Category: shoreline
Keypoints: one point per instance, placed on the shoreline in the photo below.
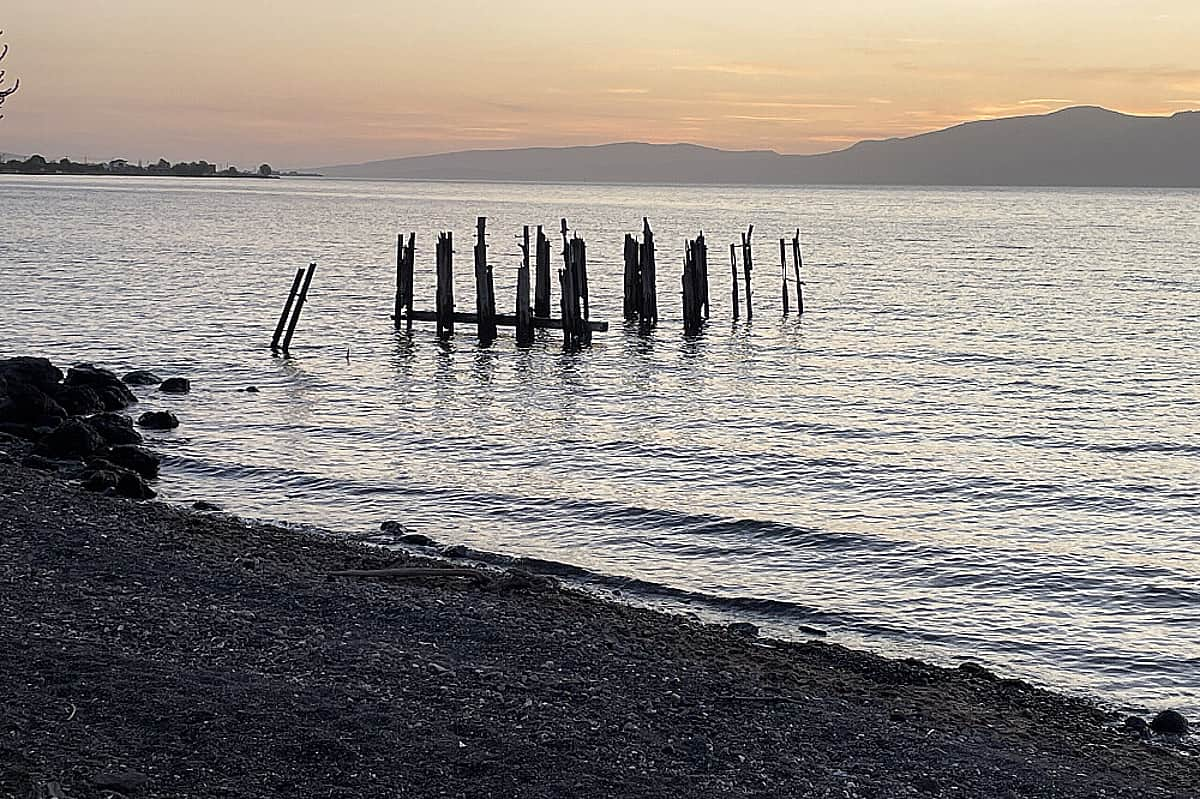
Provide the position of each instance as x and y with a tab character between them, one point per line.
213	656
154	650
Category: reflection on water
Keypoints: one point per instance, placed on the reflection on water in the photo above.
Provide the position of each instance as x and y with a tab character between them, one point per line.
979	441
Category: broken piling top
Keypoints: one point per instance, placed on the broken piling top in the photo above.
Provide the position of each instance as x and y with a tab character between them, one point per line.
485	292
649	310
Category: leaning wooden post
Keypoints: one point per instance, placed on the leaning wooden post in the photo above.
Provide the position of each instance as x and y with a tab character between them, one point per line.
445	286
485	297
524	314
308	276
541	302
649	310
702	272
783	259
287	310
798	261
737	294
748	266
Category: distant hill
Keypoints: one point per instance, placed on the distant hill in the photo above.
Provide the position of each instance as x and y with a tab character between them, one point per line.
1083	146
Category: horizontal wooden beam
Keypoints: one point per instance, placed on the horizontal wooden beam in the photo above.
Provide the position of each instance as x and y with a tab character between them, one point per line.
506	320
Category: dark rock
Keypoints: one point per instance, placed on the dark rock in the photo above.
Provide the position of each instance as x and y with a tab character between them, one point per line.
134	487
37	372
79	400
71	439
206	507
115	399
251	389
22	431
136	459
975	670
125	782
393	528
175	385
141	377
744	629
115	428
1169	722
158	420
112	391
417	540
25	403
1137	725
40	463
102	481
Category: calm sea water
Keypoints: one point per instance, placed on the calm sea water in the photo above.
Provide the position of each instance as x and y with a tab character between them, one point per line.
980	442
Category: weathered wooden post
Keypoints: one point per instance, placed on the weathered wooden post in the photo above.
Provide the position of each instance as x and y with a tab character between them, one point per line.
798	260
737	294
783	259
633	283
485	295
287	310
405	256
445	286
649	308
748	266
308	276
579	264
524	313
692	319
541	305
702	273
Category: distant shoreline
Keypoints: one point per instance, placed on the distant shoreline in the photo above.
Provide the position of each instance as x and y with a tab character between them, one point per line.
119	167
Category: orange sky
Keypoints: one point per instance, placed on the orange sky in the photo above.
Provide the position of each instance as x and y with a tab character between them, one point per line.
304	83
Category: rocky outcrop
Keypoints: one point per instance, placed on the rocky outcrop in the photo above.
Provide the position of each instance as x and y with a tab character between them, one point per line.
115	428
158	420
114	394
135	459
176	385
72	439
141	377
37	372
72	419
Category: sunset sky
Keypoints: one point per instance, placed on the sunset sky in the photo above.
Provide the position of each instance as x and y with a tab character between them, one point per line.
306	83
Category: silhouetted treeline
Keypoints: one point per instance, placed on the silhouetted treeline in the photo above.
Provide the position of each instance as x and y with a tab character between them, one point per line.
37	165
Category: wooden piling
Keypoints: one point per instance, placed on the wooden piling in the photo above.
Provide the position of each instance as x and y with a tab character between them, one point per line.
577	332
798	261
405	256
524	313
445	286
737	294
300	299
649	310
748	266
485	293
783	263
633	279
702	274
541	303
287	310
693	319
